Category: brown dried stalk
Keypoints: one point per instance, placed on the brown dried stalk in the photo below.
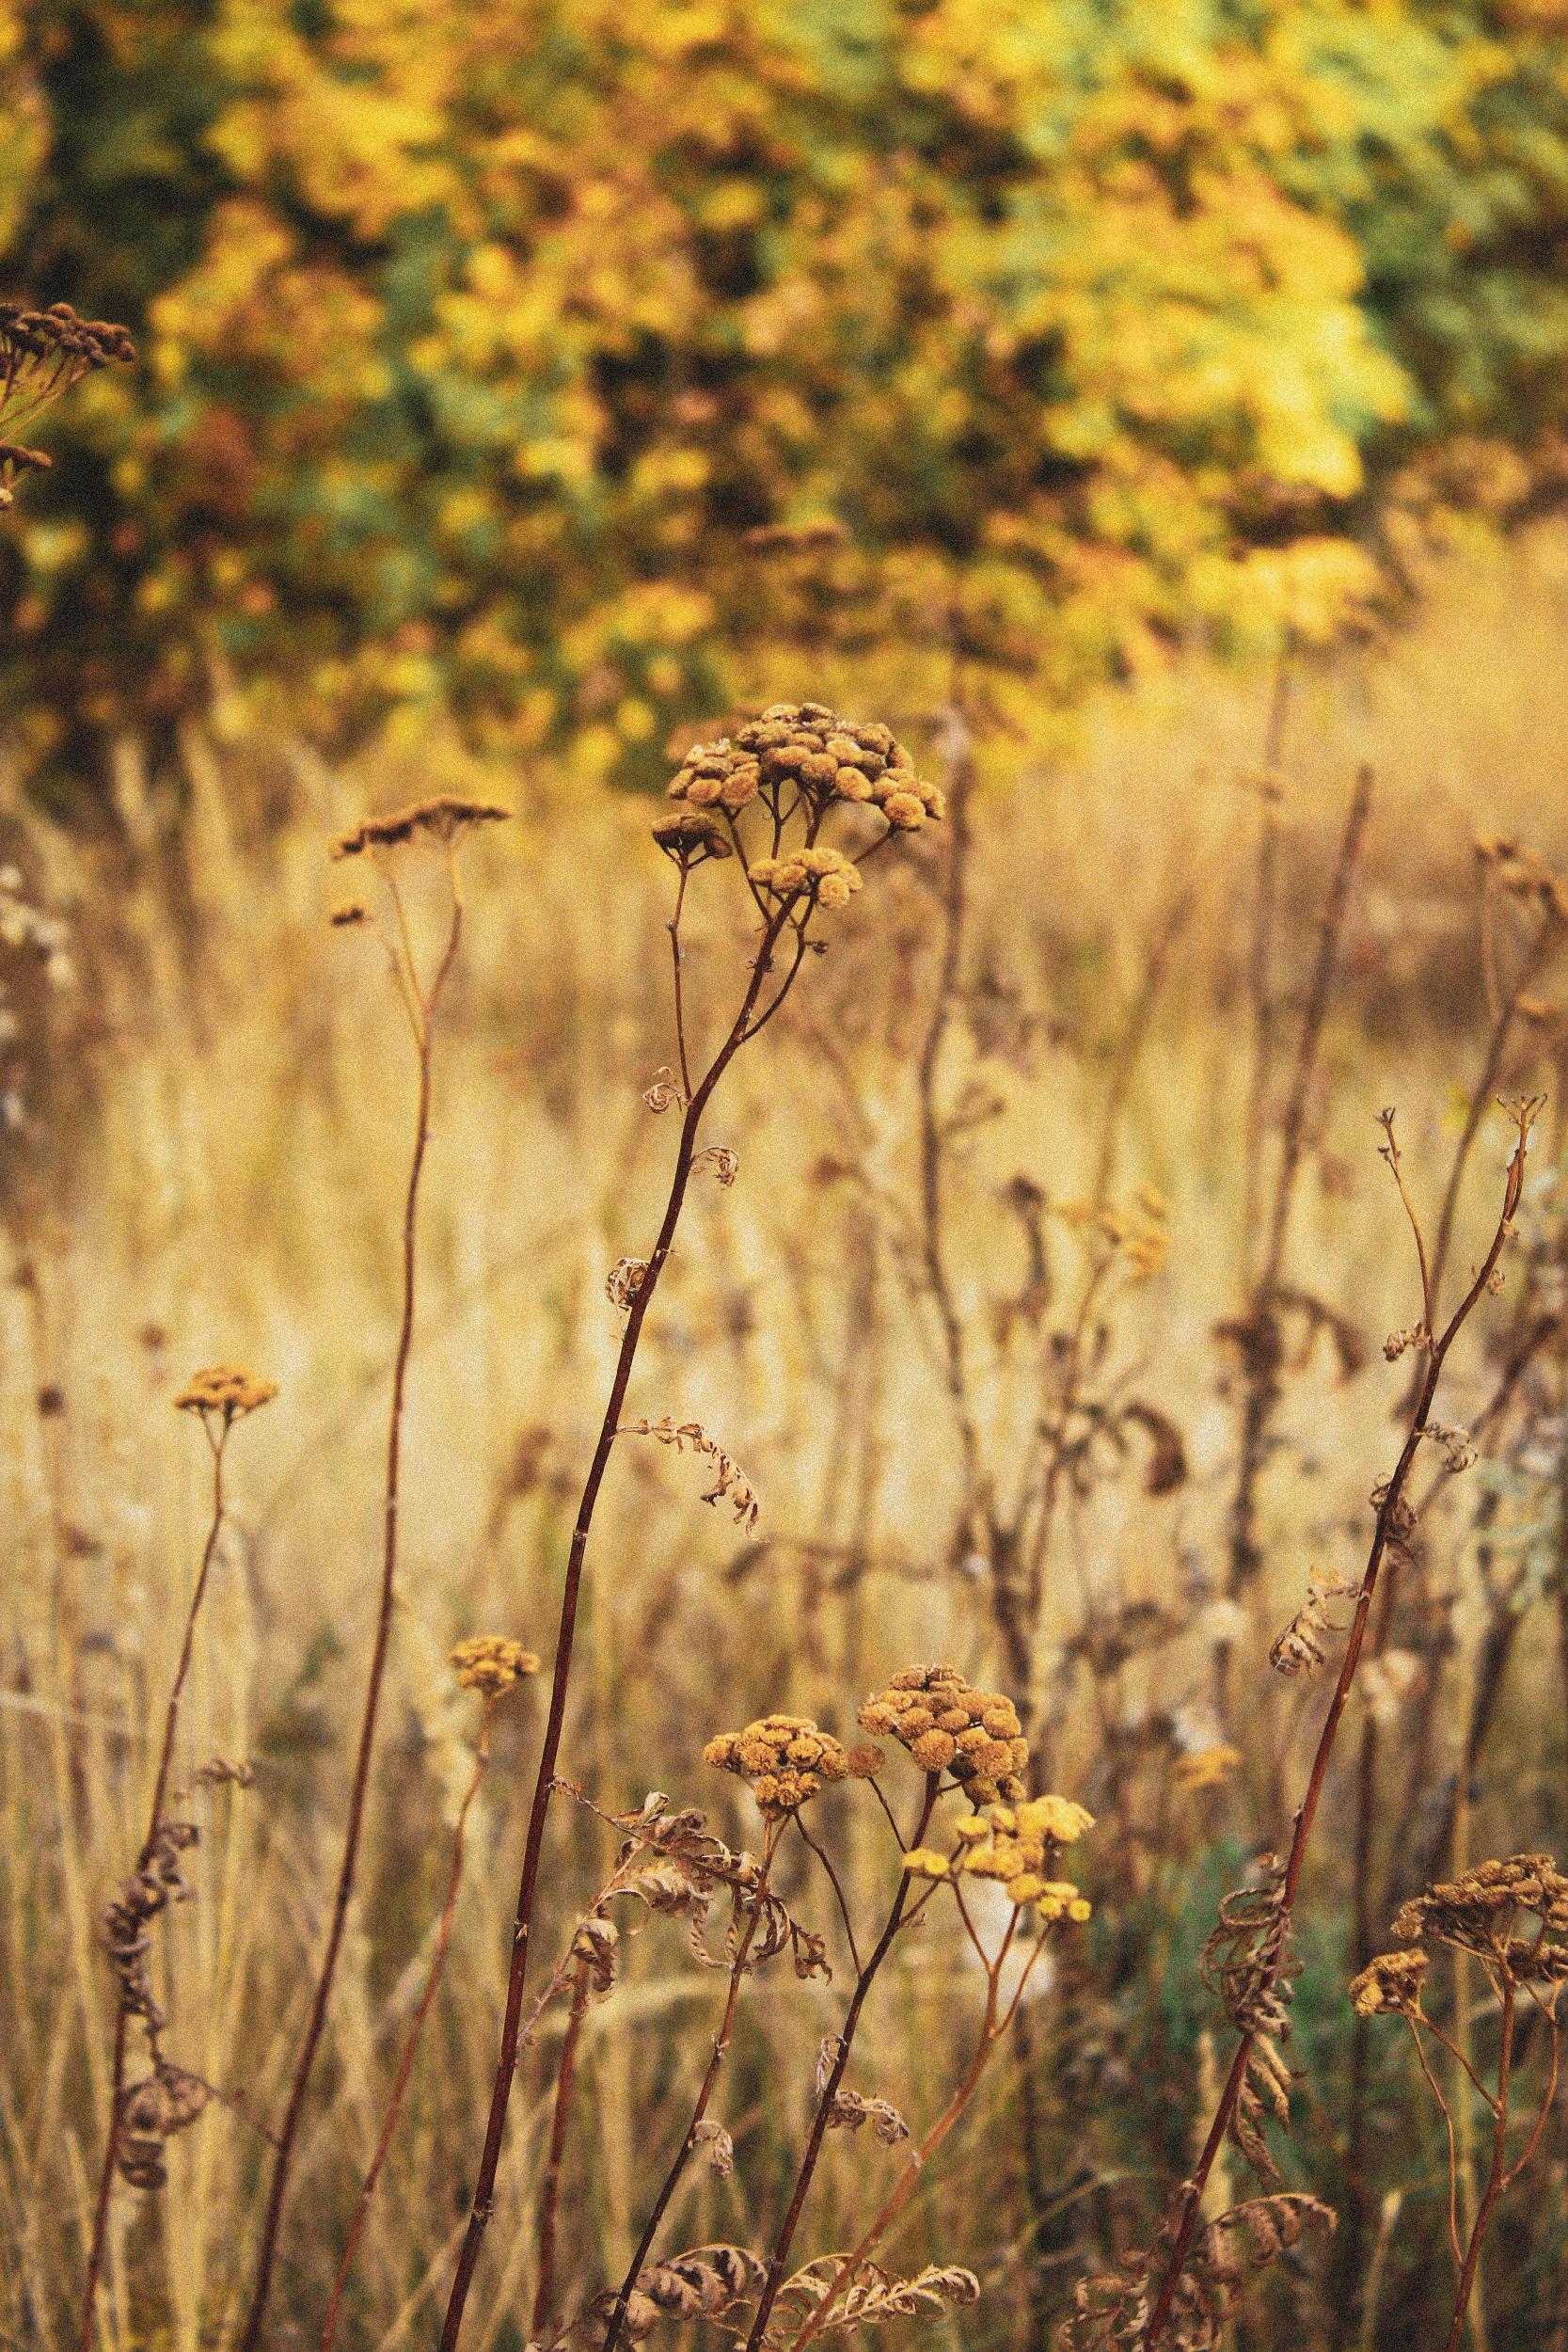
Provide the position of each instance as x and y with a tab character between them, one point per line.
694	2136
997	2018
223	1399
832	2077
1485	1914
1392	1515
1504	1005
411	2043
1260	1328
787	892
549	2202
442	822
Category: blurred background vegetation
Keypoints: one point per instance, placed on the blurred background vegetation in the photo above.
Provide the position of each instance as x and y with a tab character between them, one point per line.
477	339
1169	401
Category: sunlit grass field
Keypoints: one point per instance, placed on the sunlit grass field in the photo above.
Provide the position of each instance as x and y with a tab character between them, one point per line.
207	1167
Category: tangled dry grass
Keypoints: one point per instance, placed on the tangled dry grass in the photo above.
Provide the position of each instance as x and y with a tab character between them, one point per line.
1096	1338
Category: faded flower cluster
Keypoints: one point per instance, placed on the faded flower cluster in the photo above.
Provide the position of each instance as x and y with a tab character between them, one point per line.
948	1725
787	1758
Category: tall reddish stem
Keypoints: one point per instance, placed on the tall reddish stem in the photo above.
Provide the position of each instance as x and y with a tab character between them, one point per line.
484	2184
1388	1513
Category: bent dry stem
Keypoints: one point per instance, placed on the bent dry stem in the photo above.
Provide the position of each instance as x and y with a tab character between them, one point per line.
1389	1512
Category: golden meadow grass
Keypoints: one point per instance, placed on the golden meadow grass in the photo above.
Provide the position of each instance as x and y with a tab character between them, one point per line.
1063	1333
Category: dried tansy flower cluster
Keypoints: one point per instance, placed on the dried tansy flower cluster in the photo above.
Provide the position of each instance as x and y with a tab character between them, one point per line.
825	876
806	748
786	1757
43	353
949	1726
690	835
1393	1981
225	1390
1483	1910
444	820
491	1664
1507	1913
1014	1844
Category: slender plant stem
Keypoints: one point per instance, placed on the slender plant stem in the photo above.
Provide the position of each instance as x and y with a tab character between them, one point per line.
484	2184
1261	1389
411	2043
1259	977
829	2091
994	2026
1389	1510
421	1019
216	1439
721	2046
679	958
1496	2172
549	2203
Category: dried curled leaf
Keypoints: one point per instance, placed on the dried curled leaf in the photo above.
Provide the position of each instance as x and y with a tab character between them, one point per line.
597	1948
868	2299
218	1770
731	1483
849	2109
719	1161
1458	1452
150	2112
1248	1963
1113	2309
1166	1466
127	1919
719	2146
702	2284
1299	1649
665	1092
624	1280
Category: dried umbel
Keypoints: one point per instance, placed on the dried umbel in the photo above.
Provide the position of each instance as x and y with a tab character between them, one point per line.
691	836
445	820
786	1757
225	1391
492	1664
1014	1845
825	878
948	1725
1483	1912
43	354
1392	1983
806	749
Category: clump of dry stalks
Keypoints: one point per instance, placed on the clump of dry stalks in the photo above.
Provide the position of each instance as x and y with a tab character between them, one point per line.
972	1840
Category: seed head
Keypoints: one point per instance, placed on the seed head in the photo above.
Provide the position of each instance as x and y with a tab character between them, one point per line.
490	1663
1392	1982
825	876
446	819
806	749
224	1388
948	1725
690	837
787	1758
